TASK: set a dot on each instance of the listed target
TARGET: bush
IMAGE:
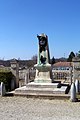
(6, 78)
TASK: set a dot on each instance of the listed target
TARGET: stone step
(56, 93)
(43, 85)
(61, 90)
(38, 91)
(44, 96)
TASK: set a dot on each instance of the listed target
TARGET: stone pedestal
(43, 73)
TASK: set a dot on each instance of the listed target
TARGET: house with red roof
(62, 71)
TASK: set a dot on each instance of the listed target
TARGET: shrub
(6, 78)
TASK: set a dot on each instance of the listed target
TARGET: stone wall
(76, 68)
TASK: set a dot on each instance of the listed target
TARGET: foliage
(34, 57)
(5, 63)
(31, 63)
(78, 54)
(53, 60)
(71, 56)
(6, 78)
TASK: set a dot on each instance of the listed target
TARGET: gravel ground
(22, 108)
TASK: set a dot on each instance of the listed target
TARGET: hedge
(6, 78)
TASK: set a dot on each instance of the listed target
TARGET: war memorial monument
(43, 84)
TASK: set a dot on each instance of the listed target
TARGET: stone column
(76, 68)
(70, 74)
(27, 77)
(17, 74)
(15, 70)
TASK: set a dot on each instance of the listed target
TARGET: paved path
(22, 108)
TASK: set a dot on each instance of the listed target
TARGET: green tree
(53, 60)
(71, 56)
(78, 54)
(6, 78)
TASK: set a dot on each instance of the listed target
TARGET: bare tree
(34, 57)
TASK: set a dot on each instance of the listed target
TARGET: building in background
(62, 71)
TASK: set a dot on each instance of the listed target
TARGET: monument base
(43, 90)
(43, 73)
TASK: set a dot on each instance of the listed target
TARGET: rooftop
(63, 64)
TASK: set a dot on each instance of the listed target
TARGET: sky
(22, 20)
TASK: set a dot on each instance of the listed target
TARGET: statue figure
(43, 66)
(43, 54)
